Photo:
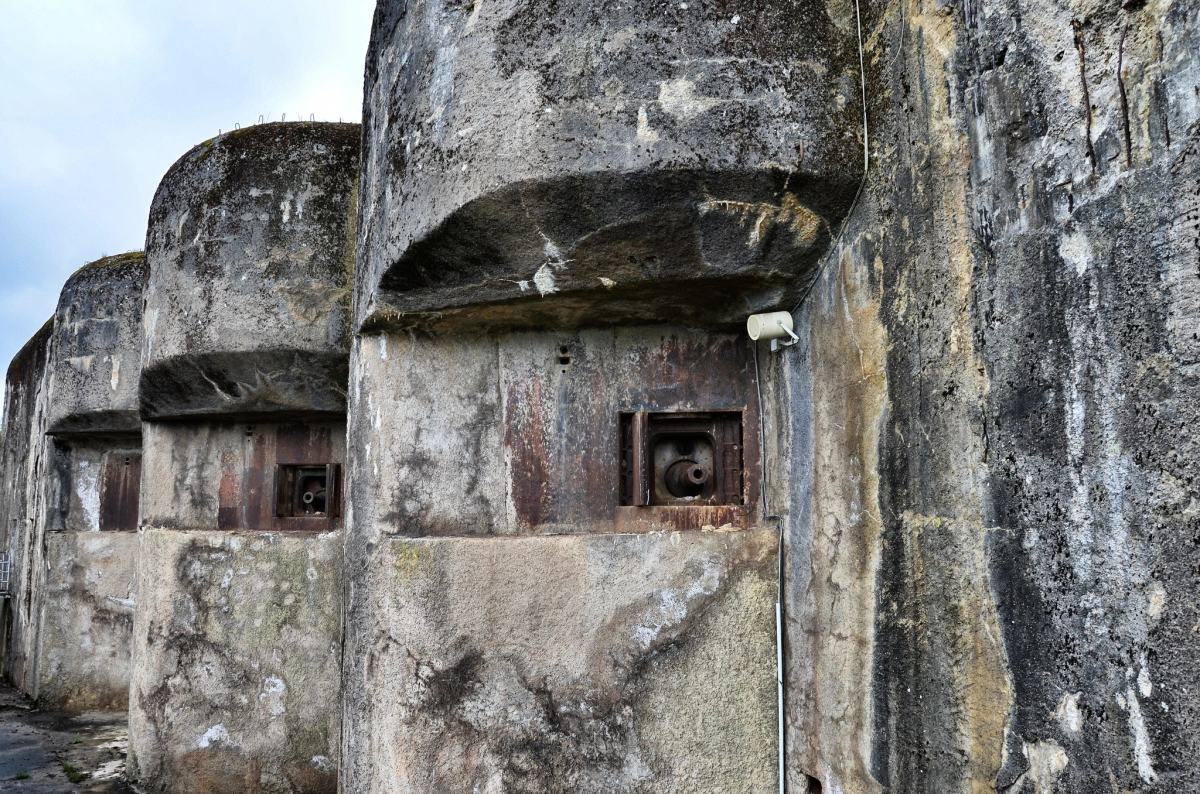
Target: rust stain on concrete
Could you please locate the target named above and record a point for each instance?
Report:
(803, 223)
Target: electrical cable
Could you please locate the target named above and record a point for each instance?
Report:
(862, 74)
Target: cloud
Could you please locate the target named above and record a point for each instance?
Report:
(100, 97)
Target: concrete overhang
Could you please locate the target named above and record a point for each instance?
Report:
(539, 164)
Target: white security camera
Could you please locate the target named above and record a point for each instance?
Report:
(774, 326)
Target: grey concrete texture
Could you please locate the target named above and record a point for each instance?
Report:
(983, 443)
(88, 602)
(26, 398)
(250, 247)
(519, 639)
(534, 163)
(586, 663)
(24, 391)
(237, 647)
(237, 656)
(97, 348)
(72, 397)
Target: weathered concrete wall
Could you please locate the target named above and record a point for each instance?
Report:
(87, 620)
(237, 658)
(587, 663)
(517, 434)
(984, 423)
(237, 634)
(251, 251)
(209, 475)
(825, 402)
(25, 405)
(87, 596)
(81, 583)
(237, 651)
(531, 163)
(1083, 206)
(578, 659)
(665, 168)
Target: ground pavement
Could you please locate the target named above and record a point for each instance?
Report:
(40, 752)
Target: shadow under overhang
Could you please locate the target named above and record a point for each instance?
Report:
(698, 247)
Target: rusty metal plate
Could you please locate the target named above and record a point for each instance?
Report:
(248, 493)
(120, 488)
(563, 403)
(670, 518)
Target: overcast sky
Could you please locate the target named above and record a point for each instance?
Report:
(99, 97)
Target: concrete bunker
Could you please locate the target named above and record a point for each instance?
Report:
(71, 475)
(237, 661)
(25, 404)
(93, 485)
(978, 447)
(558, 548)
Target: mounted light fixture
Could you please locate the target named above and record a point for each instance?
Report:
(774, 326)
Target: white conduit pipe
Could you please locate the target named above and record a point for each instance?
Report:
(779, 673)
(762, 434)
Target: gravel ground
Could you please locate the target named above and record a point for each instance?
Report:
(37, 747)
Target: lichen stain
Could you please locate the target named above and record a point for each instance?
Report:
(842, 13)
(803, 223)
(1068, 714)
(678, 97)
(81, 363)
(411, 558)
(1140, 736)
(644, 131)
(1047, 761)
